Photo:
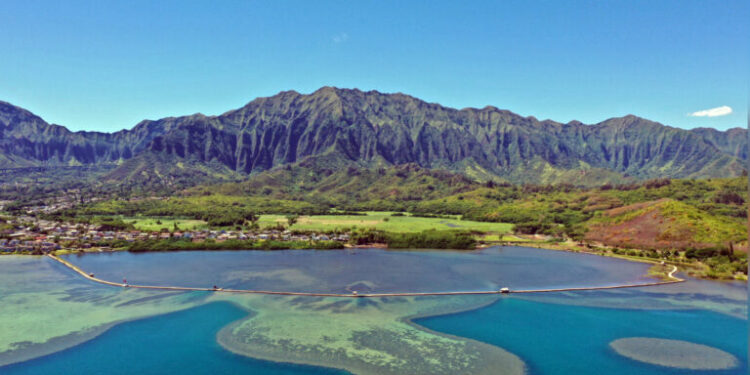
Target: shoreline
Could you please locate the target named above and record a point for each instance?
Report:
(660, 274)
(656, 262)
(696, 270)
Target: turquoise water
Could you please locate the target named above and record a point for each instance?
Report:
(562, 339)
(42, 302)
(182, 342)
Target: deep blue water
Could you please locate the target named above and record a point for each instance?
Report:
(183, 342)
(565, 339)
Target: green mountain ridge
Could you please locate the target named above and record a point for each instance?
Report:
(372, 129)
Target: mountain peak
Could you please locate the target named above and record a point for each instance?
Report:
(373, 128)
(12, 115)
(328, 92)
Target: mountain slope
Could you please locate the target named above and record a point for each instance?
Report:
(371, 129)
(732, 142)
(664, 224)
(351, 187)
(27, 140)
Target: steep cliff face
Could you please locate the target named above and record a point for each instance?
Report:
(732, 142)
(27, 140)
(371, 128)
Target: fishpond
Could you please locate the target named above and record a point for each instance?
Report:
(52, 320)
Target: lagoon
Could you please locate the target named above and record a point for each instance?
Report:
(51, 318)
(364, 270)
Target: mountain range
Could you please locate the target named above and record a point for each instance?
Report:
(348, 127)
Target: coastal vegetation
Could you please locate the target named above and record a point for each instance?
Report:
(183, 245)
(431, 239)
(428, 239)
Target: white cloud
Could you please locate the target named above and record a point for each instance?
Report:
(340, 38)
(713, 112)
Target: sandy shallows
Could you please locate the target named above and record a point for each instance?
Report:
(674, 353)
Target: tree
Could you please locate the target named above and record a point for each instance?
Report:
(251, 217)
(292, 219)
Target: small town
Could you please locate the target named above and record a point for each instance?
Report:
(33, 236)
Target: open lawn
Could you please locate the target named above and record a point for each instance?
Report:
(152, 224)
(384, 221)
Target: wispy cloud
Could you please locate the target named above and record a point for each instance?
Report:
(713, 112)
(340, 38)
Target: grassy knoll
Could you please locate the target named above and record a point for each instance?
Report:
(384, 221)
(665, 224)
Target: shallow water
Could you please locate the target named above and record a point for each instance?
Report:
(365, 270)
(45, 308)
(183, 342)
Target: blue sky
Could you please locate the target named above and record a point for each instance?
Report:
(105, 65)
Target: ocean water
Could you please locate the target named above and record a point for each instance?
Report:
(565, 339)
(52, 321)
(182, 342)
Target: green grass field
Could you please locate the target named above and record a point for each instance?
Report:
(502, 237)
(152, 224)
(378, 220)
(384, 221)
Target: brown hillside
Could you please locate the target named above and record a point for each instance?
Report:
(662, 224)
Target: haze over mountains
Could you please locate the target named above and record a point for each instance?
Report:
(341, 127)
